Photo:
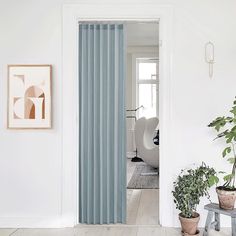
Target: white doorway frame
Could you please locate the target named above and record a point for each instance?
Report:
(72, 14)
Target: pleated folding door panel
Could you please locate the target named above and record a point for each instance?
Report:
(102, 161)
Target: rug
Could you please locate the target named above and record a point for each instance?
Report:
(139, 181)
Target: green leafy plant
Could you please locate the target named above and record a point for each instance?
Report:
(190, 186)
(226, 128)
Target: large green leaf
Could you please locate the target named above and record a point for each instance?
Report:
(230, 136)
(235, 101)
(213, 180)
(218, 123)
(226, 151)
(233, 110)
(222, 134)
(228, 177)
(231, 160)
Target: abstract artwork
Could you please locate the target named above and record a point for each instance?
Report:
(29, 96)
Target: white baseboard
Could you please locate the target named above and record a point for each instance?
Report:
(36, 222)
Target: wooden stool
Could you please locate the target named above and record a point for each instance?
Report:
(214, 208)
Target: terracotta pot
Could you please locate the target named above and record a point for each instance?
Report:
(226, 198)
(186, 234)
(189, 225)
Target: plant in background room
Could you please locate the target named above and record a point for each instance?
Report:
(226, 128)
(190, 186)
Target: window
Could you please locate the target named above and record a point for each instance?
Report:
(147, 87)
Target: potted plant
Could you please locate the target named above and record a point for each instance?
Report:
(190, 186)
(226, 128)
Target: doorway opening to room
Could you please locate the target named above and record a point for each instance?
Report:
(118, 122)
(142, 122)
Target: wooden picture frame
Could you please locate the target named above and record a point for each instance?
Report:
(29, 97)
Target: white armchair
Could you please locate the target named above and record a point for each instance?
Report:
(144, 134)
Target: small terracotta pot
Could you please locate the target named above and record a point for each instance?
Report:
(226, 198)
(189, 225)
(186, 234)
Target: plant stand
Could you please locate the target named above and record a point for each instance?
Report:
(214, 209)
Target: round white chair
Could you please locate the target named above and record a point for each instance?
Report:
(144, 134)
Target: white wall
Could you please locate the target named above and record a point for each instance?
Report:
(30, 161)
(196, 99)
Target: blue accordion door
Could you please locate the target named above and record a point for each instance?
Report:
(102, 161)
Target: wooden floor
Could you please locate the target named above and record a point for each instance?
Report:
(142, 204)
(124, 230)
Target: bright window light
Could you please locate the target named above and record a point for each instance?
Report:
(147, 86)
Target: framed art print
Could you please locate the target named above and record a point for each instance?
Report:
(29, 96)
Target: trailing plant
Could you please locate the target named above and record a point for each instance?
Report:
(226, 128)
(190, 186)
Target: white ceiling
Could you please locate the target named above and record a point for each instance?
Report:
(142, 34)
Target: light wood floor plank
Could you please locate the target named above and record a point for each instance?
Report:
(103, 230)
(6, 232)
(90, 231)
(45, 232)
(121, 231)
(130, 169)
(133, 206)
(151, 231)
(148, 208)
